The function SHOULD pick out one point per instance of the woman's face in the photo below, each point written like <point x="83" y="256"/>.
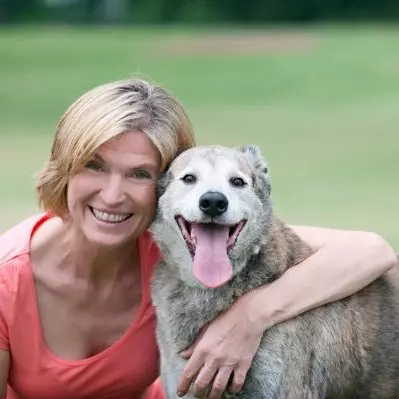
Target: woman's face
<point x="111" y="200"/>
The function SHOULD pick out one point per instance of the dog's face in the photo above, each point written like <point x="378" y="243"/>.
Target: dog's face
<point x="213" y="212"/>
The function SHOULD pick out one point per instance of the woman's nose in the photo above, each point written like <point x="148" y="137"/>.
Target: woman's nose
<point x="113" y="193"/>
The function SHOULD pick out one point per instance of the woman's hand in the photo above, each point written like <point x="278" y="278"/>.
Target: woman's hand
<point x="225" y="348"/>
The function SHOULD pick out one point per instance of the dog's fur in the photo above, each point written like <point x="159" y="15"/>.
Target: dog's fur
<point x="346" y="349"/>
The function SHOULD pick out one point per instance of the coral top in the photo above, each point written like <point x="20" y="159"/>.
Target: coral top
<point x="126" y="370"/>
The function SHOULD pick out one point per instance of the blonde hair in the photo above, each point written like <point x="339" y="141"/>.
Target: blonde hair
<point x="102" y="114"/>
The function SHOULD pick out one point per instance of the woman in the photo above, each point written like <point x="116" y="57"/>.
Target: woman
<point x="75" y="313"/>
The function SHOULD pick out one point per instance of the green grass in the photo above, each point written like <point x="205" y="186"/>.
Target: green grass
<point x="325" y="117"/>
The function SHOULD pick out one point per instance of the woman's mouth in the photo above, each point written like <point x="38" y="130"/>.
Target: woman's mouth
<point x="109" y="217"/>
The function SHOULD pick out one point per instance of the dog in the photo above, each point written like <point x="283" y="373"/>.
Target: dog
<point x="219" y="238"/>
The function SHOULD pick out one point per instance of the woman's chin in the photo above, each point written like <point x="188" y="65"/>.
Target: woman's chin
<point x="106" y="240"/>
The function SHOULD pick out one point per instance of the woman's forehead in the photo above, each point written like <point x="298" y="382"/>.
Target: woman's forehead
<point x="129" y="149"/>
<point x="130" y="144"/>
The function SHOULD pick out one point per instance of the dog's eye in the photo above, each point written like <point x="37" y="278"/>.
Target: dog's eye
<point x="189" y="179"/>
<point x="237" y="182"/>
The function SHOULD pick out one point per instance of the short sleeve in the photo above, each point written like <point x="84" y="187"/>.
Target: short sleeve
<point x="5" y="312"/>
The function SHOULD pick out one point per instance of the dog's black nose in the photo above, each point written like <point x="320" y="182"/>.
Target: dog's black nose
<point x="213" y="203"/>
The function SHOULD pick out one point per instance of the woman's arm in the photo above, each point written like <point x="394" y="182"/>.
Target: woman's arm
<point x="343" y="262"/>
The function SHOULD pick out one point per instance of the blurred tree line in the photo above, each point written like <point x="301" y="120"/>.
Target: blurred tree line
<point x="194" y="11"/>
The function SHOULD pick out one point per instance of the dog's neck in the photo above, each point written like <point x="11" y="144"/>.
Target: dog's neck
<point x="280" y="250"/>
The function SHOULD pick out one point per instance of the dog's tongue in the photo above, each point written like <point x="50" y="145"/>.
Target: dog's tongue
<point x="212" y="266"/>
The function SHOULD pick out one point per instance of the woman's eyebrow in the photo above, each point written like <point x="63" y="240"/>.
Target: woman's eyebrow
<point x="143" y="165"/>
<point x="98" y="158"/>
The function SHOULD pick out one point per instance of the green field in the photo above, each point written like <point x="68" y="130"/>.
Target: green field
<point x="322" y="103"/>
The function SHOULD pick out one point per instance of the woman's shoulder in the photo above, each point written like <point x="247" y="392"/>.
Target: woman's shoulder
<point x="14" y="259"/>
<point x="15" y="241"/>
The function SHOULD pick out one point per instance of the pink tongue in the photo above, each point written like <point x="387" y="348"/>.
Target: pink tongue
<point x="212" y="266"/>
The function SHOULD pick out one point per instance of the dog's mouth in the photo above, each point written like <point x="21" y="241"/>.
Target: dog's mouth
<point x="189" y="231"/>
<point x="210" y="245"/>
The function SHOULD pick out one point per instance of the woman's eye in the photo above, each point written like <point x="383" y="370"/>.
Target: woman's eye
<point x="189" y="179"/>
<point x="141" y="174"/>
<point x="94" y="165"/>
<point x="237" y="182"/>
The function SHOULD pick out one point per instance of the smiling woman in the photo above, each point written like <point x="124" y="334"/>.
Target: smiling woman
<point x="84" y="266"/>
<point x="77" y="277"/>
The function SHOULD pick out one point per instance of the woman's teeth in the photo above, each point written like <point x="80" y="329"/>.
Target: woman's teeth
<point x="110" y="217"/>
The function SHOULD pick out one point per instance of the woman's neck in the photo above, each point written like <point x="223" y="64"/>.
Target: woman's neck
<point x="68" y="250"/>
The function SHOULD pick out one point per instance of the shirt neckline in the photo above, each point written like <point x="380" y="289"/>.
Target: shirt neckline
<point x="114" y="346"/>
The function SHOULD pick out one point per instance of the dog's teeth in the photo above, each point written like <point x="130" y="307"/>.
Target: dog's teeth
<point x="193" y="238"/>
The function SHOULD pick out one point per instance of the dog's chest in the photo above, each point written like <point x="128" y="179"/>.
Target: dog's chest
<point x="182" y="310"/>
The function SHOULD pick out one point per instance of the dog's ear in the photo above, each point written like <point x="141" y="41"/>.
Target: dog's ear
<point x="163" y="182"/>
<point x="260" y="169"/>
<point x="254" y="154"/>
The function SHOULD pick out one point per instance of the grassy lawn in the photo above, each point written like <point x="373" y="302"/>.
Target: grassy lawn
<point x="325" y="114"/>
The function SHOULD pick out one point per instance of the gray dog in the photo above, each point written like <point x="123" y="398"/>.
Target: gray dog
<point x="219" y="238"/>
